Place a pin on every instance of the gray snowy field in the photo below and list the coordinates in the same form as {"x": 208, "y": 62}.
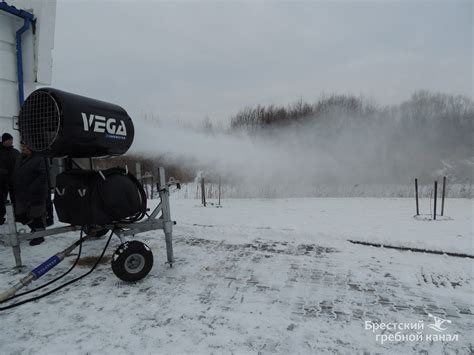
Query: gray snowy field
{"x": 264, "y": 276}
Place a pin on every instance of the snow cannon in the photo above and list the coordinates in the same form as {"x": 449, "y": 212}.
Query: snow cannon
{"x": 58, "y": 124}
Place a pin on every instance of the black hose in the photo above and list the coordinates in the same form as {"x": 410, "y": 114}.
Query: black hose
{"x": 54, "y": 280}
{"x": 65, "y": 284}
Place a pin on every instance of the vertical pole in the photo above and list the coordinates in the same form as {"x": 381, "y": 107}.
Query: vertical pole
{"x": 203, "y": 192}
{"x": 416, "y": 197}
{"x": 444, "y": 192}
{"x": 166, "y": 215}
{"x": 138, "y": 175}
{"x": 435, "y": 198}
{"x": 152, "y": 187}
{"x": 202, "y": 195}
{"x": 219, "y": 190}
{"x": 148, "y": 192}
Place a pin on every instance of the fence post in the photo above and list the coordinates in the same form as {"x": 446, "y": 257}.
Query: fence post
{"x": 444, "y": 192}
{"x": 219, "y": 190}
{"x": 435, "y": 198}
{"x": 152, "y": 186}
{"x": 416, "y": 197}
{"x": 203, "y": 192}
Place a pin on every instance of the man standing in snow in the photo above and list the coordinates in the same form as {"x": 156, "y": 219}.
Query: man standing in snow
{"x": 8, "y": 157}
{"x": 31, "y": 191}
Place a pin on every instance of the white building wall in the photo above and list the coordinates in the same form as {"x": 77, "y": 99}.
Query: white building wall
{"x": 37, "y": 56}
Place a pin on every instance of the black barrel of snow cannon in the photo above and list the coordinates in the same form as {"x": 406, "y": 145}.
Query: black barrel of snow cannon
{"x": 58, "y": 123}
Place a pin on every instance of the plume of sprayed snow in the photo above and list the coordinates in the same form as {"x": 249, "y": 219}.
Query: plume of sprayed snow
{"x": 294, "y": 155}
{"x": 332, "y": 149}
{"x": 345, "y": 142}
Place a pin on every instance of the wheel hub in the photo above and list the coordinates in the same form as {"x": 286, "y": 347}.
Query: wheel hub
{"x": 134, "y": 263}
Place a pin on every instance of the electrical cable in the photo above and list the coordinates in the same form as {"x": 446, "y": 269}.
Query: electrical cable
{"x": 54, "y": 280}
{"x": 65, "y": 284}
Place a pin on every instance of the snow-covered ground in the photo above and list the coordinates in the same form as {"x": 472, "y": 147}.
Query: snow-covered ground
{"x": 265, "y": 276}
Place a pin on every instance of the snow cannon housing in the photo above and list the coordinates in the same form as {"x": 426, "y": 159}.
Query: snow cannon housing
{"x": 57, "y": 124}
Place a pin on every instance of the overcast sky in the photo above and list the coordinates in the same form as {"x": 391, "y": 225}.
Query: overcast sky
{"x": 191, "y": 60}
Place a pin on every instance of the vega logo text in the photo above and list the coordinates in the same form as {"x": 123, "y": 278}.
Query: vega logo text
{"x": 101, "y": 124}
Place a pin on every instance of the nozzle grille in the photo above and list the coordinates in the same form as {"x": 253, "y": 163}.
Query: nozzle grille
{"x": 39, "y": 121}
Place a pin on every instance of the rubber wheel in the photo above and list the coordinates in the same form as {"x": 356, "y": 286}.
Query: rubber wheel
{"x": 132, "y": 261}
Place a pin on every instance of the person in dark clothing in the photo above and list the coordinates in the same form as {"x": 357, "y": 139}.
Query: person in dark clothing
{"x": 31, "y": 191}
{"x": 8, "y": 157}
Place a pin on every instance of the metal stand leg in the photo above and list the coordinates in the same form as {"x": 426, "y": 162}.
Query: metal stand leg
{"x": 169, "y": 248}
{"x": 12, "y": 238}
{"x": 166, "y": 216}
{"x": 17, "y": 254}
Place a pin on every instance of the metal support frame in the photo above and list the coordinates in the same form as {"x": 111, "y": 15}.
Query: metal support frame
{"x": 166, "y": 215}
{"x": 153, "y": 222}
